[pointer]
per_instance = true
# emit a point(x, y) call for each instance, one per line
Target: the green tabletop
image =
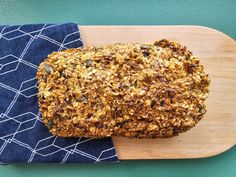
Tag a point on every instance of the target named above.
point(217, 14)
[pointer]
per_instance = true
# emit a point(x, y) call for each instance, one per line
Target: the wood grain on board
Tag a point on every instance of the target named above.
point(216, 132)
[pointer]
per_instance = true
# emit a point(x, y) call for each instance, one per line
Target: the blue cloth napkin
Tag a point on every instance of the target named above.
point(23, 136)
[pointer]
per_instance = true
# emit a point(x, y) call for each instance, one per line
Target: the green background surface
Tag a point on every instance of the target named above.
point(217, 14)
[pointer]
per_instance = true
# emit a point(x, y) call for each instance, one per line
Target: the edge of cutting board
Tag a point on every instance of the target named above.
point(89, 36)
point(85, 29)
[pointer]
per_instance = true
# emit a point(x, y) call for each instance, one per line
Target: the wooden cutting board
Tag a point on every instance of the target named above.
point(216, 132)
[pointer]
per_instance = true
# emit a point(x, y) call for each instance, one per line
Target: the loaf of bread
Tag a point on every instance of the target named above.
point(131, 90)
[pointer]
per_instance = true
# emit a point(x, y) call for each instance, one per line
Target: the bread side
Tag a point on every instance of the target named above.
point(132, 90)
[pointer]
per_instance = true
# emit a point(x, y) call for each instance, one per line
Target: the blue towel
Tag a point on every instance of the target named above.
point(23, 136)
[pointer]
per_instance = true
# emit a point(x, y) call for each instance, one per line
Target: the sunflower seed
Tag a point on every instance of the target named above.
point(144, 46)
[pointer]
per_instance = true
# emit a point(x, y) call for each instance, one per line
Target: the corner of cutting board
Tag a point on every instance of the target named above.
point(216, 153)
point(213, 30)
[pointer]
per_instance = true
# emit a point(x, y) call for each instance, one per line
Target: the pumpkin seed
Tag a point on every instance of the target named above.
point(88, 63)
point(47, 68)
point(50, 124)
point(82, 99)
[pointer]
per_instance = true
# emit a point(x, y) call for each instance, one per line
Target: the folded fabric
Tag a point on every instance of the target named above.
point(23, 136)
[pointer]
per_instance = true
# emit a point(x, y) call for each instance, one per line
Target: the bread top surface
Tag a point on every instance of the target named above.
point(132, 90)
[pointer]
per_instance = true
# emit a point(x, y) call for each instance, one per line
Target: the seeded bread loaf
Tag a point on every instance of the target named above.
point(132, 90)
